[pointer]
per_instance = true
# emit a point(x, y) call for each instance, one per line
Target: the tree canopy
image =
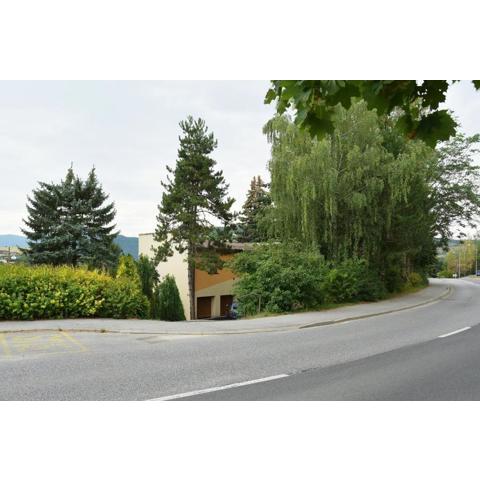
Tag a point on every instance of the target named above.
point(365, 191)
point(250, 227)
point(416, 104)
point(70, 223)
point(194, 198)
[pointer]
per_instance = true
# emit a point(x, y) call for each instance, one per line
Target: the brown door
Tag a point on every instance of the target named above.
point(204, 307)
point(225, 304)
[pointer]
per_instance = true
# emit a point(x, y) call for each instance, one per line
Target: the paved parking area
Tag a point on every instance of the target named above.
point(21, 344)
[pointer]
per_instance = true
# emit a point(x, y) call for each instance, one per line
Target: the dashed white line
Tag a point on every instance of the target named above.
point(454, 332)
point(224, 387)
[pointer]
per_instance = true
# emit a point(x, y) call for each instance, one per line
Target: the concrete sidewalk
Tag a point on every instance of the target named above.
point(437, 290)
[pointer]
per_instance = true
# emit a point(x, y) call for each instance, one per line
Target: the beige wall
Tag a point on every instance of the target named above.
point(224, 288)
point(175, 266)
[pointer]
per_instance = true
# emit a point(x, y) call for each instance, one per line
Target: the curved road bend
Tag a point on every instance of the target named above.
point(427, 353)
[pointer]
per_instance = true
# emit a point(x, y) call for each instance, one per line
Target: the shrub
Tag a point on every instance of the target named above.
point(149, 279)
point(278, 278)
point(127, 268)
point(167, 304)
point(445, 274)
point(123, 299)
point(148, 275)
point(414, 280)
point(352, 280)
point(36, 292)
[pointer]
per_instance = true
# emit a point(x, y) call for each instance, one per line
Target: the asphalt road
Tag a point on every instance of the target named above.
point(399, 356)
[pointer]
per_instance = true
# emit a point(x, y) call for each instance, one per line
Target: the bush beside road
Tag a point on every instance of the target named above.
point(44, 292)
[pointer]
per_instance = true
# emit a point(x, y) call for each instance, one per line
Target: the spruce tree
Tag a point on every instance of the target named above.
point(195, 196)
point(250, 228)
point(168, 304)
point(69, 223)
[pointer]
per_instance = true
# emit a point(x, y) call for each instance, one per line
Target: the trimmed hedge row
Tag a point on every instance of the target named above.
point(41, 292)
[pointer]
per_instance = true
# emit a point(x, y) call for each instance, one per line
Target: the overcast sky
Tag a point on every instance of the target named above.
point(129, 131)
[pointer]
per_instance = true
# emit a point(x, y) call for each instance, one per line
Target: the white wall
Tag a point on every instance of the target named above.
point(175, 266)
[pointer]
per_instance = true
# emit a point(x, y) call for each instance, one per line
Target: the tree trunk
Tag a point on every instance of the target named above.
point(191, 281)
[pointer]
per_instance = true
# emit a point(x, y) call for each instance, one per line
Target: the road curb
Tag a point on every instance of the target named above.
point(238, 332)
point(386, 312)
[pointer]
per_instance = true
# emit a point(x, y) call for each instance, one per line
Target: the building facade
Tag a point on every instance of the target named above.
point(213, 292)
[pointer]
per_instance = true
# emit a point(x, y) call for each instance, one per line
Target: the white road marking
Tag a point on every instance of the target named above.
point(454, 332)
point(216, 389)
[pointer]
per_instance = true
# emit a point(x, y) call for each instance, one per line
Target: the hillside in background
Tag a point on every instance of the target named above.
point(13, 241)
point(127, 244)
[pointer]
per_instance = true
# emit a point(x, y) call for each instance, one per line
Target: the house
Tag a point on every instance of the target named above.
point(213, 292)
point(9, 254)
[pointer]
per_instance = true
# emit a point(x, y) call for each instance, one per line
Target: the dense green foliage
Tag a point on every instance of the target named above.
point(355, 215)
point(167, 304)
point(462, 259)
point(252, 220)
point(127, 269)
point(36, 292)
point(283, 277)
point(352, 280)
point(367, 192)
point(278, 278)
point(123, 299)
point(148, 274)
point(69, 223)
point(455, 186)
point(416, 105)
point(149, 280)
point(195, 197)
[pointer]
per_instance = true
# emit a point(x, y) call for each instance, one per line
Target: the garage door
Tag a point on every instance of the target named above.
point(204, 307)
point(225, 304)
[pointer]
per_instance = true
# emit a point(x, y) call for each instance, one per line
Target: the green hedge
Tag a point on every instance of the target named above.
point(40, 292)
point(283, 278)
point(278, 278)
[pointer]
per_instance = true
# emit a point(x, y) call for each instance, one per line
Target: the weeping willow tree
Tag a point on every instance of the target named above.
point(364, 191)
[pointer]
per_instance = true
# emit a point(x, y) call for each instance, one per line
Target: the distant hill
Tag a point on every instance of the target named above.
point(13, 241)
point(127, 244)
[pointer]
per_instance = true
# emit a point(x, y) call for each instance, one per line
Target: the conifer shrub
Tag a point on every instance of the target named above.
point(127, 269)
point(149, 279)
point(167, 304)
point(42, 292)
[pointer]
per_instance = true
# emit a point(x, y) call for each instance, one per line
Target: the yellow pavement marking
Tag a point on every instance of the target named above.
point(49, 343)
point(4, 344)
point(74, 340)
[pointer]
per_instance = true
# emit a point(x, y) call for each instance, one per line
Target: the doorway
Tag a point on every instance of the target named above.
point(225, 304)
point(204, 307)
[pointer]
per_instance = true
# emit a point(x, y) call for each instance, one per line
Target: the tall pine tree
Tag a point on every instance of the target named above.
point(194, 198)
point(69, 223)
point(250, 228)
